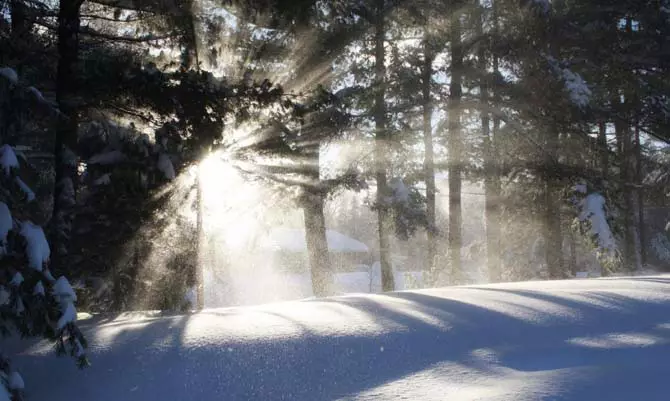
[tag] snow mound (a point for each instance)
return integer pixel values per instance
(598, 339)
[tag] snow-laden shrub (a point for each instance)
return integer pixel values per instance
(33, 303)
(594, 221)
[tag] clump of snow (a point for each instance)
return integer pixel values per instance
(37, 247)
(5, 226)
(16, 381)
(8, 159)
(30, 195)
(400, 193)
(9, 74)
(580, 188)
(4, 295)
(191, 297)
(69, 316)
(112, 157)
(579, 92)
(63, 291)
(165, 166)
(39, 289)
(17, 279)
(103, 180)
(47, 274)
(661, 246)
(38, 95)
(593, 210)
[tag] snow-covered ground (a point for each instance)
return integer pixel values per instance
(602, 339)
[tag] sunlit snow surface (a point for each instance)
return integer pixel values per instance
(605, 339)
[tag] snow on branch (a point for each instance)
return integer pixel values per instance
(576, 87)
(8, 159)
(37, 247)
(592, 209)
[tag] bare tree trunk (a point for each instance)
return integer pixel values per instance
(604, 149)
(200, 237)
(640, 197)
(455, 146)
(20, 25)
(631, 248)
(65, 163)
(429, 158)
(553, 236)
(490, 170)
(573, 253)
(381, 136)
(494, 219)
(317, 245)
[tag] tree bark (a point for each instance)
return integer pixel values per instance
(317, 245)
(381, 137)
(429, 158)
(604, 149)
(639, 177)
(553, 237)
(200, 237)
(20, 25)
(65, 163)
(631, 248)
(491, 192)
(455, 146)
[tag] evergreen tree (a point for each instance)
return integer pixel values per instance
(32, 301)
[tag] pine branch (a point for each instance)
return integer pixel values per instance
(130, 39)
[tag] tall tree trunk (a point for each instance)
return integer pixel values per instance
(381, 137)
(631, 242)
(494, 193)
(490, 171)
(317, 244)
(191, 60)
(604, 149)
(640, 197)
(20, 25)
(553, 237)
(429, 158)
(200, 237)
(455, 150)
(65, 163)
(572, 244)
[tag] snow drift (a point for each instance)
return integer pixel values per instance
(605, 339)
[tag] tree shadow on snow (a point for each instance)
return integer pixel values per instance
(333, 348)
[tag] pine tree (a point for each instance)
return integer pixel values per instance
(32, 301)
